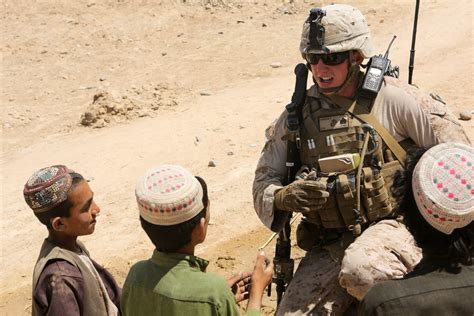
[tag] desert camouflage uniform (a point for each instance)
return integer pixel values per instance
(385, 250)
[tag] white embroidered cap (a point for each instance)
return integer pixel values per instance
(443, 186)
(168, 195)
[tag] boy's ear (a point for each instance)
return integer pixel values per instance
(57, 223)
(200, 230)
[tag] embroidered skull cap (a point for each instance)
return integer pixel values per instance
(47, 188)
(168, 195)
(443, 186)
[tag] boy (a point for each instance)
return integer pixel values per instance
(66, 281)
(436, 198)
(174, 212)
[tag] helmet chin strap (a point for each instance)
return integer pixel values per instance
(353, 70)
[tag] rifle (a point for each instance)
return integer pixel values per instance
(413, 40)
(282, 261)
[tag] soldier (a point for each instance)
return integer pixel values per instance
(350, 146)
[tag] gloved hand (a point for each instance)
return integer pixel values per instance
(301, 196)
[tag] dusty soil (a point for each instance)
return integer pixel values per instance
(110, 88)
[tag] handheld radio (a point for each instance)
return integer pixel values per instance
(376, 69)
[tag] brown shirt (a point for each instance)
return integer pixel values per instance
(60, 289)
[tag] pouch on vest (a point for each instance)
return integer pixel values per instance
(306, 234)
(338, 212)
(329, 214)
(377, 199)
(346, 197)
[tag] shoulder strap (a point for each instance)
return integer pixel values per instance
(368, 118)
(391, 143)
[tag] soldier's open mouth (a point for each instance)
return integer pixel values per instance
(325, 79)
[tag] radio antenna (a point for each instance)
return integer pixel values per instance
(389, 45)
(413, 40)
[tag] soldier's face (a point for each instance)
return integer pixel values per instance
(330, 76)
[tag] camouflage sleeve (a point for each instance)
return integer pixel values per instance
(422, 116)
(269, 175)
(442, 120)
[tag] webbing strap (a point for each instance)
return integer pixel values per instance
(368, 118)
(391, 143)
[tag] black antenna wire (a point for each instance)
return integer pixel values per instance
(413, 40)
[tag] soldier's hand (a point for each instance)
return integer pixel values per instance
(301, 196)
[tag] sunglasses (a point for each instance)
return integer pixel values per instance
(328, 59)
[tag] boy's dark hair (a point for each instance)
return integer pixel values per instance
(174, 237)
(63, 208)
(458, 245)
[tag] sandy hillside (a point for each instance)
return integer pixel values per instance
(173, 82)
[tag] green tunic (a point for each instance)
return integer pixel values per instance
(176, 284)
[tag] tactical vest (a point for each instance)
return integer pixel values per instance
(329, 130)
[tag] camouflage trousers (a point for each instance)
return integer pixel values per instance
(322, 282)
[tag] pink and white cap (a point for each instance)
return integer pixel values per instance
(168, 195)
(443, 186)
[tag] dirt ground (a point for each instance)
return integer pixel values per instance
(184, 82)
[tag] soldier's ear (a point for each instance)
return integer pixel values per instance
(309, 66)
(358, 57)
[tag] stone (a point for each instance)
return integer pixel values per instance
(143, 114)
(212, 163)
(276, 65)
(100, 123)
(465, 116)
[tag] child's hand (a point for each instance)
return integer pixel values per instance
(239, 284)
(262, 273)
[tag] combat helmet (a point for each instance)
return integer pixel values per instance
(336, 28)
